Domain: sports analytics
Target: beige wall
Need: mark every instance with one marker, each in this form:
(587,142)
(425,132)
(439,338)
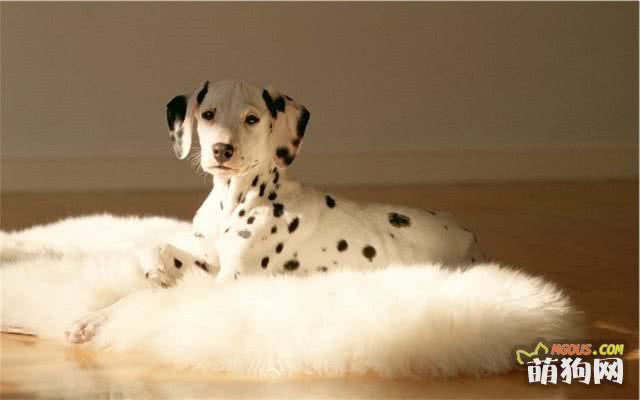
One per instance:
(397,92)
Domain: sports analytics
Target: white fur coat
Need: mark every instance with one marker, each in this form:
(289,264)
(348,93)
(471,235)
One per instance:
(422,320)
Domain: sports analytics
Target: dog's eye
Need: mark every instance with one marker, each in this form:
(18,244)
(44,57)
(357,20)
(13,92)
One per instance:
(208,115)
(251,119)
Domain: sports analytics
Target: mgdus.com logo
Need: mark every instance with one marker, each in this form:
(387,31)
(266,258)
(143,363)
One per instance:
(551,363)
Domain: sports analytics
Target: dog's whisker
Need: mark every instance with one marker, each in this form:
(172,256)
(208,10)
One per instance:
(194,161)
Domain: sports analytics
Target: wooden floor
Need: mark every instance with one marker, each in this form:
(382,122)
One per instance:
(584,236)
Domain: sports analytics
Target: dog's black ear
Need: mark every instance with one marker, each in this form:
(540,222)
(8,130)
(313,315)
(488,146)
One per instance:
(181,118)
(289,120)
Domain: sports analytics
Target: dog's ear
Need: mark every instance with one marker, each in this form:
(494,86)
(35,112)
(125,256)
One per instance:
(182,121)
(289,120)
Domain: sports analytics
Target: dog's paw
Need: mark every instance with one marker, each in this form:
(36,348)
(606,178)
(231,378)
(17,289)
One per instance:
(85,328)
(161,266)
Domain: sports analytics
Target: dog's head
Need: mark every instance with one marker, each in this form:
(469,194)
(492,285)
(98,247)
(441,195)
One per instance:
(239,126)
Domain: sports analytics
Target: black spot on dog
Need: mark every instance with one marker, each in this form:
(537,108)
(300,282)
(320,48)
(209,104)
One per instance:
(172,137)
(295,142)
(302,122)
(203,92)
(342,245)
(264,262)
(254,182)
(202,265)
(245,234)
(278,209)
(270,103)
(324,249)
(177,263)
(369,252)
(335,262)
(176,110)
(262,188)
(179,133)
(276,176)
(198,235)
(240,198)
(399,220)
(446,227)
(291,265)
(226,230)
(392,235)
(431,212)
(221,206)
(473,260)
(274,229)
(228,181)
(273,196)
(322,269)
(250,220)
(279,248)
(279,104)
(330,201)
(284,154)
(241,213)
(293,225)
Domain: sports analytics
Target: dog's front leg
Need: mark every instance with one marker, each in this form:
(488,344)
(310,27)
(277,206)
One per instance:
(233,260)
(85,328)
(167,262)
(228,274)
(162,265)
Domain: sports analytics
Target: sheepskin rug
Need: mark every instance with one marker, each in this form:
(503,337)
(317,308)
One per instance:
(402,321)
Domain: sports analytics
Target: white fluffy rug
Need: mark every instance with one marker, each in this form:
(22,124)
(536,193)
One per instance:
(413,321)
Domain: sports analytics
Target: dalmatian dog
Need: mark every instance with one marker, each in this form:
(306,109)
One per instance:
(257,221)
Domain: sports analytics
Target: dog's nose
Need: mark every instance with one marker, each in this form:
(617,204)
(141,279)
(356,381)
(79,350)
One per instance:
(222,152)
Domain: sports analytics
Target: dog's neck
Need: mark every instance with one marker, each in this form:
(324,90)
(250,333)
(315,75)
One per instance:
(231,192)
